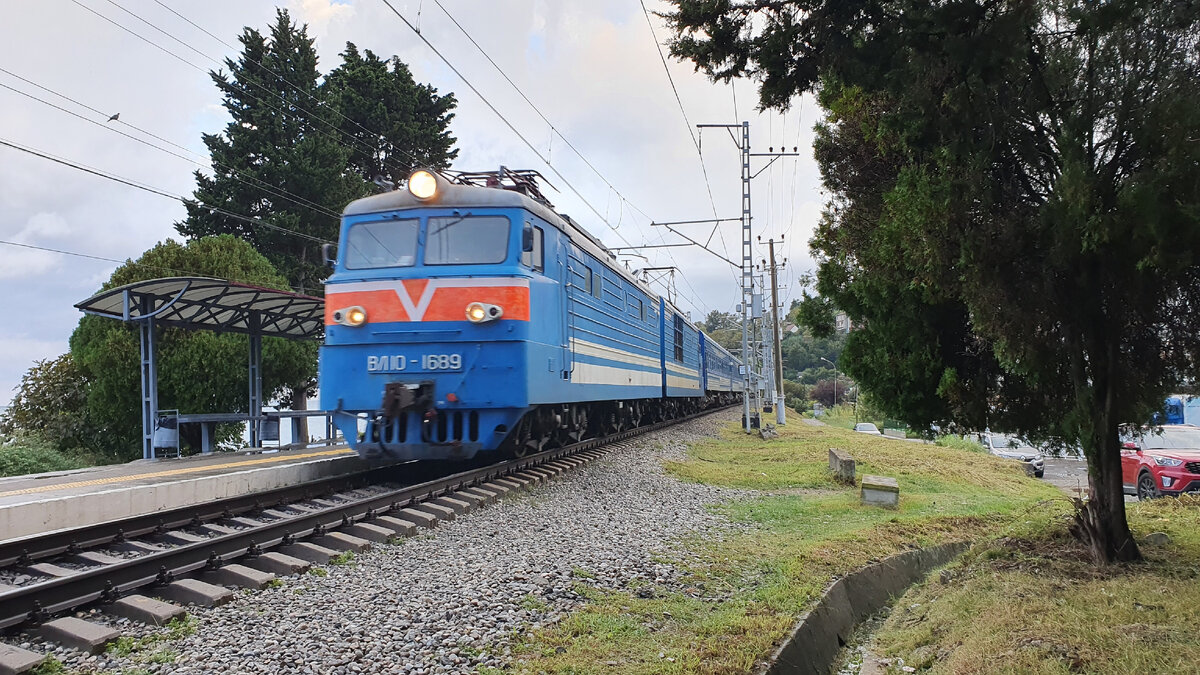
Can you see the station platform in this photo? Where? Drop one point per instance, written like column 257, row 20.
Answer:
column 43, row 503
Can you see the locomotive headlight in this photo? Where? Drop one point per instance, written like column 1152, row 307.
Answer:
column 422, row 184
column 478, row 312
column 350, row 316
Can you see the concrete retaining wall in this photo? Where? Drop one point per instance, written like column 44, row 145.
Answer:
column 895, row 433
column 820, row 634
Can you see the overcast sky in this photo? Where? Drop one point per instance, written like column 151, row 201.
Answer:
column 592, row 68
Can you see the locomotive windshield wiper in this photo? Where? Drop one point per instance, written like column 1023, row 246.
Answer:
column 443, row 226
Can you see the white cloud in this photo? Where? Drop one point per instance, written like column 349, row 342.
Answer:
column 591, row 68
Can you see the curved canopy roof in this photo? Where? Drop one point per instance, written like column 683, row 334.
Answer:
column 213, row 304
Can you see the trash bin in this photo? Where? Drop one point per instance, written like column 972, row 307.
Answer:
column 166, row 433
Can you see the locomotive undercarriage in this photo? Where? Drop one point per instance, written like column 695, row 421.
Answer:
column 550, row 426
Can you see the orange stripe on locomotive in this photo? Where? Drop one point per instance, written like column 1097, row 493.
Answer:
column 445, row 304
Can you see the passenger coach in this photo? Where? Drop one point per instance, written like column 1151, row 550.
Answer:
column 469, row 316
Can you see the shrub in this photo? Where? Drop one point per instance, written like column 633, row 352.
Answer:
column 959, row 442
column 27, row 453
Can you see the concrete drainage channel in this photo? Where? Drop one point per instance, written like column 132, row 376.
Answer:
column 298, row 536
column 816, row 640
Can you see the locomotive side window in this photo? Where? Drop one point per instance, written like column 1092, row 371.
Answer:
column 386, row 243
column 587, row 280
column 679, row 338
column 641, row 309
column 535, row 259
column 598, row 286
column 466, row 240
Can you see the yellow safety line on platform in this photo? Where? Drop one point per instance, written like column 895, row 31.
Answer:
column 174, row 472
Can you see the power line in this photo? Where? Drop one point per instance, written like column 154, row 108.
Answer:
column 566, row 140
column 504, row 119
column 162, row 193
column 695, row 141
column 119, row 262
column 532, row 105
column 296, row 199
column 407, row 154
column 313, row 118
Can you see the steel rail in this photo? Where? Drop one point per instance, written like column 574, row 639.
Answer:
column 36, row 602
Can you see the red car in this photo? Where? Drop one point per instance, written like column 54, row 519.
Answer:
column 1164, row 463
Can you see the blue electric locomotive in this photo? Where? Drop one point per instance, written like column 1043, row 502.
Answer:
column 467, row 316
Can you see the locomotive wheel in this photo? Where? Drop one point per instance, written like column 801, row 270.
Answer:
column 520, row 438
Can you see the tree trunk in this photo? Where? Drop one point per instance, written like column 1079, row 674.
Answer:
column 1100, row 521
column 299, row 397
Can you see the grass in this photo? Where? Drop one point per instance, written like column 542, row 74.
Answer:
column 149, row 649
column 1034, row 603
column 744, row 590
column 959, row 442
column 343, row 558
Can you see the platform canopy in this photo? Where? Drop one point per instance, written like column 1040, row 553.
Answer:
column 213, row 304
column 201, row 303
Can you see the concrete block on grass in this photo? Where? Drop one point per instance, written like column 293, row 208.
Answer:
column 14, row 660
column 842, row 466
column 149, row 611
column 881, row 491
column 240, row 576
column 194, row 592
column 85, row 636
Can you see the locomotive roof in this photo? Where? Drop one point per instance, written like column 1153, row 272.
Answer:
column 453, row 195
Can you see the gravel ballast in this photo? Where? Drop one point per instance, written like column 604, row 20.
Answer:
column 452, row 599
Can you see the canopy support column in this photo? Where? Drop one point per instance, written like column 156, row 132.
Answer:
column 149, row 368
column 255, row 372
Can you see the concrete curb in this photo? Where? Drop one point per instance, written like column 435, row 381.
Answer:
column 820, row 634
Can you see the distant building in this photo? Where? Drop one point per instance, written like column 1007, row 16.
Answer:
column 842, row 323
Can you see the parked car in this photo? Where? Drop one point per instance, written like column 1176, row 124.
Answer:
column 867, row 428
column 1164, row 462
column 1011, row 447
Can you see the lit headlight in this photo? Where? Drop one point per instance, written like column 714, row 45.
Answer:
column 422, row 184
column 350, row 316
column 478, row 312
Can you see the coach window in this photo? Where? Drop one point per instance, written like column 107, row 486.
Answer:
column 466, row 240
column 679, row 338
column 535, row 259
column 385, row 243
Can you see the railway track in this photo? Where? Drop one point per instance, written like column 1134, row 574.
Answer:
column 70, row 569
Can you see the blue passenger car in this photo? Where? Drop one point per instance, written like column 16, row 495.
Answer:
column 468, row 317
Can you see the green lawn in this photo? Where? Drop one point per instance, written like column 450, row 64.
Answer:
column 1033, row 603
column 745, row 590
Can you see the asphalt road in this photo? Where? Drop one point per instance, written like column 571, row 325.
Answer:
column 1070, row 475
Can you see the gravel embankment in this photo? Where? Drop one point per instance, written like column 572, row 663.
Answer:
column 453, row 599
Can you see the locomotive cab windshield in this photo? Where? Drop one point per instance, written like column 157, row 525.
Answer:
column 457, row 239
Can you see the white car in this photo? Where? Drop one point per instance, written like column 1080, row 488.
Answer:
column 1010, row 447
column 867, row 428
